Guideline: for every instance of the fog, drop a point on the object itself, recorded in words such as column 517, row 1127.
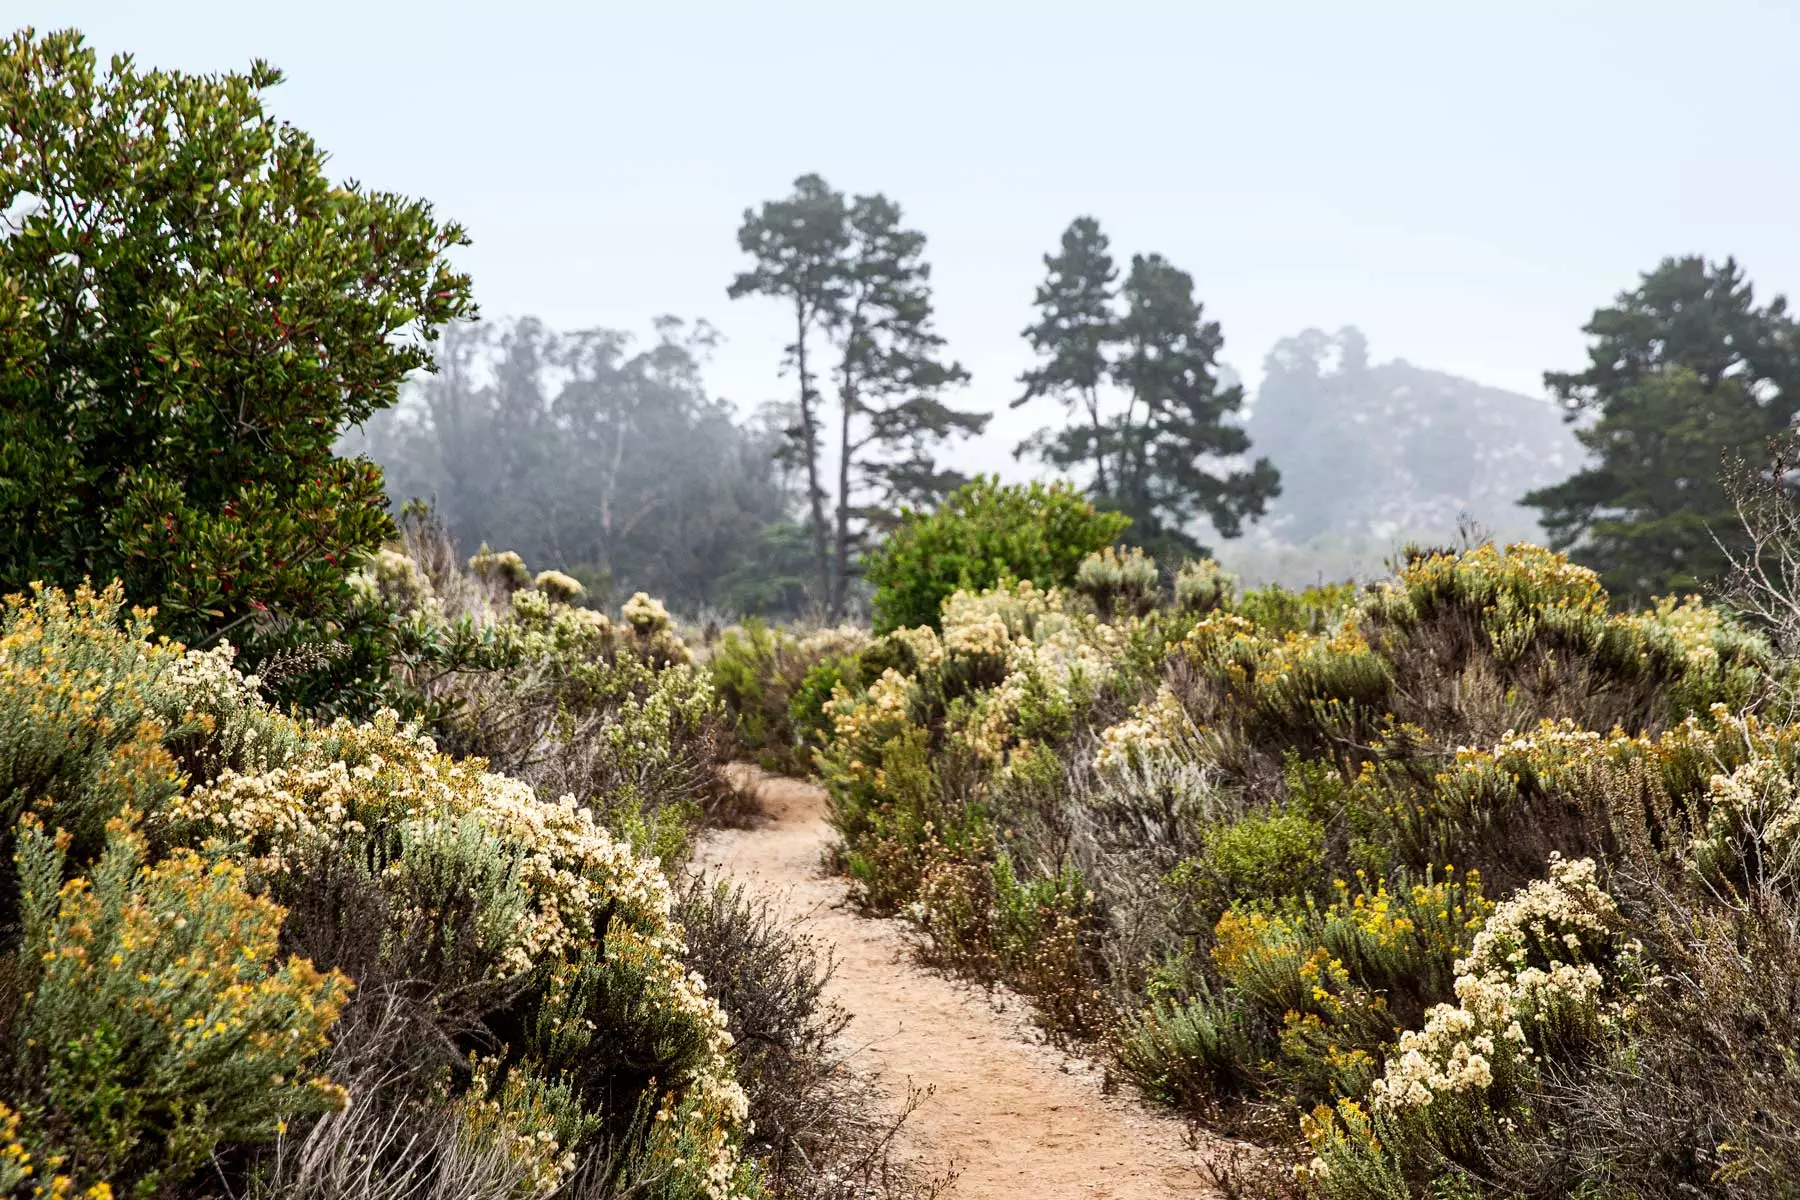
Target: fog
column 1462, row 188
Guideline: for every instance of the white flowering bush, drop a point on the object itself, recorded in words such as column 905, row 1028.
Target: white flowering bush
column 421, row 894
column 1532, row 987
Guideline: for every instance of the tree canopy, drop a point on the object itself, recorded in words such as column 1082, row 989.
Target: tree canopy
column 190, row 311
column 859, row 288
column 1685, row 373
column 1136, row 367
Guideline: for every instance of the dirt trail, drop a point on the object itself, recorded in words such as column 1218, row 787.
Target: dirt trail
column 1012, row 1117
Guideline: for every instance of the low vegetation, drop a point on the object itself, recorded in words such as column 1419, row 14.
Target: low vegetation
column 1463, row 884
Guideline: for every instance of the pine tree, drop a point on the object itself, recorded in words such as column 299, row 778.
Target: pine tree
column 891, row 378
column 860, row 286
column 1685, row 373
column 800, row 245
column 1176, row 435
column 1149, row 414
column 1076, row 324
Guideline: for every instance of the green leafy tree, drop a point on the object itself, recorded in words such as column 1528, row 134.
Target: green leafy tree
column 1077, row 324
column 1137, row 370
column 1685, row 373
column 190, row 311
column 860, row 290
column 983, row 533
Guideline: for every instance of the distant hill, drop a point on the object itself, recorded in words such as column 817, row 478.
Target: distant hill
column 1367, row 449
column 1374, row 454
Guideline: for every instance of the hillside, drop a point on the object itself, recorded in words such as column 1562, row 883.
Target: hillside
column 1378, row 451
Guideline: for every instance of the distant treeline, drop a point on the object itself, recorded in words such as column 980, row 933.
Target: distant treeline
column 608, row 460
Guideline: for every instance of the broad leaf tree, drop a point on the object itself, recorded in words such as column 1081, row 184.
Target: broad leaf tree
column 1685, row 373
column 190, row 311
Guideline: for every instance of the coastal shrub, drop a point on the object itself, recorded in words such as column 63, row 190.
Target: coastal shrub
column 426, row 909
column 983, row 533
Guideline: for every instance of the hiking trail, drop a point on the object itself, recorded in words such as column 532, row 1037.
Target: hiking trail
column 1011, row 1116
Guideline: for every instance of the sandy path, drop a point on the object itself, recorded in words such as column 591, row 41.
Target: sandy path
column 1012, row 1117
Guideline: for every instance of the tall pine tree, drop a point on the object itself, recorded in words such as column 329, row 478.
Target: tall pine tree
column 1075, row 327
column 1685, row 373
column 1148, row 414
column 799, row 245
column 1177, row 435
column 860, row 291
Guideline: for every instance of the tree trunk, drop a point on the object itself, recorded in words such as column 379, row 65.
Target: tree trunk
column 815, row 494
column 1093, row 407
column 841, row 574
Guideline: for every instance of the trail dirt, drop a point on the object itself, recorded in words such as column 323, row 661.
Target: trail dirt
column 1011, row 1117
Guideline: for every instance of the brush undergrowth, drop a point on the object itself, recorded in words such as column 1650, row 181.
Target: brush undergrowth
column 1422, row 882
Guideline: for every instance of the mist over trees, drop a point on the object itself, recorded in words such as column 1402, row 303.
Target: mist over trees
column 607, row 458
column 1370, row 452
column 610, row 461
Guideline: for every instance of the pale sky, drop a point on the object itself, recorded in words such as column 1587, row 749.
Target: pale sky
column 1466, row 183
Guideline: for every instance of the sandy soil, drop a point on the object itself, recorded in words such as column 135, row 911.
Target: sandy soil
column 1013, row 1118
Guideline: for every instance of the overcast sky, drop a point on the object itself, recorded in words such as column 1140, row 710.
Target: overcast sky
column 1464, row 187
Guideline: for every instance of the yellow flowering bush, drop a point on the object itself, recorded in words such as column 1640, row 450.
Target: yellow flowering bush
column 1530, row 988
column 156, row 1025
column 154, row 1028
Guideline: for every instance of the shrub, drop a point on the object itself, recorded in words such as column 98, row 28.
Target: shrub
column 1201, row 585
column 472, row 915
column 152, row 1030
column 1258, row 858
column 227, row 265
column 983, row 533
column 1120, row 584
column 1228, row 832
column 775, row 687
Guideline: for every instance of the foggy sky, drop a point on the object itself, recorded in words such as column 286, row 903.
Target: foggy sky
column 1464, row 187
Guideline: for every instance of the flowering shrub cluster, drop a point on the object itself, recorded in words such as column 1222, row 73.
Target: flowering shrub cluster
column 561, row 696
column 1257, row 835
column 221, row 907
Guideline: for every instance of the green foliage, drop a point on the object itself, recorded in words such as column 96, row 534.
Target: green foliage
column 153, row 1030
column 1258, row 858
column 1202, row 585
column 1162, row 460
column 1686, row 371
column 1120, row 584
column 981, row 534
column 1310, row 610
column 1184, row 1052
column 1251, row 847
column 180, row 345
column 775, row 686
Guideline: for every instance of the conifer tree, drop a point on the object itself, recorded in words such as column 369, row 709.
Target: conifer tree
column 1075, row 327
column 860, row 288
column 1686, row 372
column 1176, row 436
